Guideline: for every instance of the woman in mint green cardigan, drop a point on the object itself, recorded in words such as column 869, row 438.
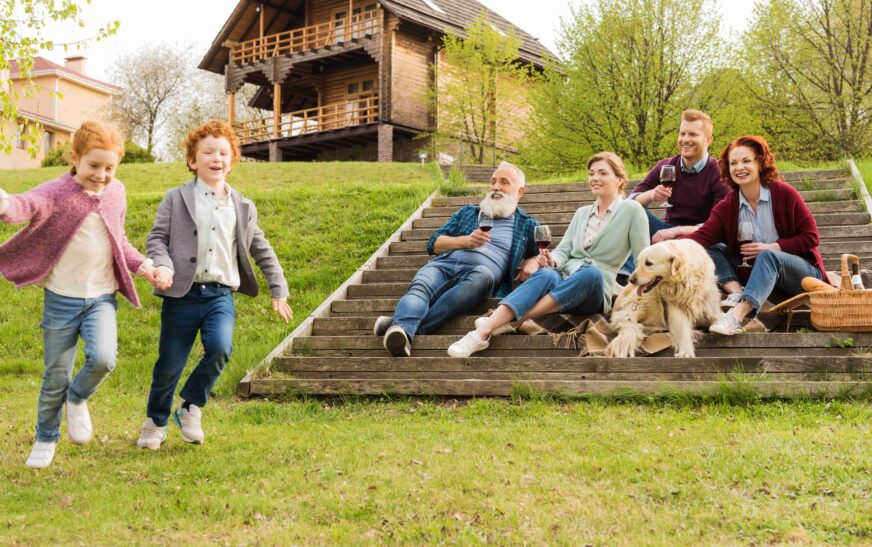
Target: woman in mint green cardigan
column 582, row 279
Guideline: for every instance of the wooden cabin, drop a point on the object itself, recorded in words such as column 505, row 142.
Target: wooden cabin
column 344, row 79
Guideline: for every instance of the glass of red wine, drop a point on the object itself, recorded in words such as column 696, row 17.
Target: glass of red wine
column 542, row 236
column 667, row 178
column 485, row 221
column 746, row 235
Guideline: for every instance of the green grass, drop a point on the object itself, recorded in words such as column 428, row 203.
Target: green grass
column 865, row 167
column 625, row 469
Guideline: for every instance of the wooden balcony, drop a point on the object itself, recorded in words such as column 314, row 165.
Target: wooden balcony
column 329, row 117
column 308, row 38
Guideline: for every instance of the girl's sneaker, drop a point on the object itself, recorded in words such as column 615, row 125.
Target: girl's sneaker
column 727, row 325
column 189, row 421
column 79, row 426
column 152, row 435
column 41, row 455
column 732, row 300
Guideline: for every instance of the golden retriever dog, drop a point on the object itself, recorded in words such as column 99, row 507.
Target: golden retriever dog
column 674, row 288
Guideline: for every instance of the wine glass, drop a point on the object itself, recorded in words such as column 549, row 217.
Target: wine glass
column 746, row 235
column 542, row 236
column 667, row 178
column 485, row 221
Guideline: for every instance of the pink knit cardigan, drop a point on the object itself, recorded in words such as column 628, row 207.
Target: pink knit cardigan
column 56, row 211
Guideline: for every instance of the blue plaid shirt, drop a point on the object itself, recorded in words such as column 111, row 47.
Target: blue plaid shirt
column 465, row 221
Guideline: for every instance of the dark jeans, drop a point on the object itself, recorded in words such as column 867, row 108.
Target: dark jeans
column 207, row 309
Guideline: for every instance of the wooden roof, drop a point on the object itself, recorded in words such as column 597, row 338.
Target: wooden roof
column 280, row 15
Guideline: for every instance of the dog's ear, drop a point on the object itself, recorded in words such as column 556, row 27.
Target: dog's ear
column 676, row 266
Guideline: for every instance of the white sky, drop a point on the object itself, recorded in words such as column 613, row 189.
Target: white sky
column 199, row 21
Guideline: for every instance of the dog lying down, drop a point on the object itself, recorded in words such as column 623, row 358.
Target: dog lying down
column 674, row 288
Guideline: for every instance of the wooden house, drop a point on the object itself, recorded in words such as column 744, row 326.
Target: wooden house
column 344, row 79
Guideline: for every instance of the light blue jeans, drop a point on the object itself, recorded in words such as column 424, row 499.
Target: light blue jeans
column 64, row 320
column 770, row 269
column 581, row 293
column 442, row 289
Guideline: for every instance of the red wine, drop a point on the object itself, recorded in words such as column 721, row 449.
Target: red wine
column 485, row 228
column 543, row 245
column 666, row 183
column 745, row 242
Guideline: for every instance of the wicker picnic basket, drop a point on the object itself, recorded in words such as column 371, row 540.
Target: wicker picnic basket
column 846, row 309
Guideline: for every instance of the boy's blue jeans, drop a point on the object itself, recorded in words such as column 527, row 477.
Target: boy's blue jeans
column 64, row 320
column 441, row 289
column 207, row 309
column 770, row 269
column 581, row 293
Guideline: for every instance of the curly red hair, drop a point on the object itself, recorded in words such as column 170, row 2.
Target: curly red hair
column 765, row 160
column 214, row 128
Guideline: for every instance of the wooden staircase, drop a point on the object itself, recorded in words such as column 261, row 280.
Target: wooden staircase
column 335, row 352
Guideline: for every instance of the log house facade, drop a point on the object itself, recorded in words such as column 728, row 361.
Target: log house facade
column 344, row 79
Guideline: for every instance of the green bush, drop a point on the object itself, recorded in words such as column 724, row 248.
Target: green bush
column 57, row 155
column 133, row 153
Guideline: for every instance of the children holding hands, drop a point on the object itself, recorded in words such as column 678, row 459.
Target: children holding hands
column 75, row 248
column 202, row 243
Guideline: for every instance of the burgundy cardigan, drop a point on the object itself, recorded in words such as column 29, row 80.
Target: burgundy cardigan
column 56, row 211
column 797, row 230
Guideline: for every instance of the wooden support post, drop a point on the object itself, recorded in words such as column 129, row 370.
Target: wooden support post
column 277, row 110
column 231, row 109
column 348, row 20
column 262, row 45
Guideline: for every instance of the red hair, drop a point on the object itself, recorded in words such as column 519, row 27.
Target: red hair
column 765, row 160
column 91, row 135
column 215, row 129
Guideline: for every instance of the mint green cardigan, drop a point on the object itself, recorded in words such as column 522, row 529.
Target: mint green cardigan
column 626, row 231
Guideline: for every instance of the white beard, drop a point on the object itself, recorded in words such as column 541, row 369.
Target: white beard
column 499, row 208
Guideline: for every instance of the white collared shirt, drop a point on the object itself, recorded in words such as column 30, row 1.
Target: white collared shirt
column 595, row 224
column 763, row 220
column 216, row 239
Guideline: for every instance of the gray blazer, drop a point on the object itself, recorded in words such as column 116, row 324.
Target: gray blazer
column 172, row 242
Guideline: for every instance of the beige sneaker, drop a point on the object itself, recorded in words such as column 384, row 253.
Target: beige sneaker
column 41, row 455
column 152, row 435
column 79, row 426
column 189, row 422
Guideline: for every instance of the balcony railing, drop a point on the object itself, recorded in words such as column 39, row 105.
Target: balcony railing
column 308, row 38
column 312, row 120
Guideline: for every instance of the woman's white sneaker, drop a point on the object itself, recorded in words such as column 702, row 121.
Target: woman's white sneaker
column 502, row 329
column 79, row 426
column 152, row 435
column 732, row 300
column 727, row 325
column 469, row 344
column 41, row 455
column 189, row 421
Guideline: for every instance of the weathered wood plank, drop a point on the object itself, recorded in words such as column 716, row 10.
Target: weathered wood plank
column 505, row 388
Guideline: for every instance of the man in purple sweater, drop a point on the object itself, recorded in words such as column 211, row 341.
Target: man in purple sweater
column 697, row 188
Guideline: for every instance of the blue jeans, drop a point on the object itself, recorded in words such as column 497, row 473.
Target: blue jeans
column 654, row 226
column 207, row 309
column 771, row 269
column 441, row 290
column 64, row 320
column 581, row 293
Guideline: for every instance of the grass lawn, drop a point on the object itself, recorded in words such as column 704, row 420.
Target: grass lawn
column 404, row 470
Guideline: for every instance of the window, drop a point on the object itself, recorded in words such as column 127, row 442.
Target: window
column 368, row 85
column 353, row 88
column 21, row 140
column 49, row 141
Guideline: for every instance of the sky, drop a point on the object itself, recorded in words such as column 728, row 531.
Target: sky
column 198, row 22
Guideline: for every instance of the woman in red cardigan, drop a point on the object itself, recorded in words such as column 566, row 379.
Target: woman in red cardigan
column 785, row 236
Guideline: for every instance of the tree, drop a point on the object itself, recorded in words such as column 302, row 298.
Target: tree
column 478, row 87
column 630, row 68
column 813, row 62
column 155, row 79
column 22, row 28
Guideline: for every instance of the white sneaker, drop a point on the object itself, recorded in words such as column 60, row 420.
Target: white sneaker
column 468, row 345
column 152, row 435
column 732, row 300
column 79, row 426
column 502, row 329
column 727, row 325
column 189, row 422
column 41, row 455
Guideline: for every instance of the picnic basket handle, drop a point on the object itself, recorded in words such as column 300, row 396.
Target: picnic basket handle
column 846, row 272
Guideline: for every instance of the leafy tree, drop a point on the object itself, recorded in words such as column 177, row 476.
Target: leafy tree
column 133, row 153
column 22, row 36
column 478, row 88
column 812, row 60
column 630, row 68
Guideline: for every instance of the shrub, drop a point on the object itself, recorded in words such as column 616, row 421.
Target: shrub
column 133, row 153
column 57, row 155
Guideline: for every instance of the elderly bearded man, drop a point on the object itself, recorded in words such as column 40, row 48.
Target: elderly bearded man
column 470, row 264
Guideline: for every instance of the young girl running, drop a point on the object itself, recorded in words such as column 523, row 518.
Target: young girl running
column 74, row 246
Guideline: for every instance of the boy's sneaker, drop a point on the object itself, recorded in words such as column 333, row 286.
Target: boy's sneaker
column 189, row 421
column 469, row 344
column 503, row 329
column 152, row 435
column 732, row 300
column 79, row 423
column 397, row 343
column 727, row 325
column 41, row 455
column 382, row 324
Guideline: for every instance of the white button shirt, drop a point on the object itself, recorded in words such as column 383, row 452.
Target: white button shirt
column 216, row 237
